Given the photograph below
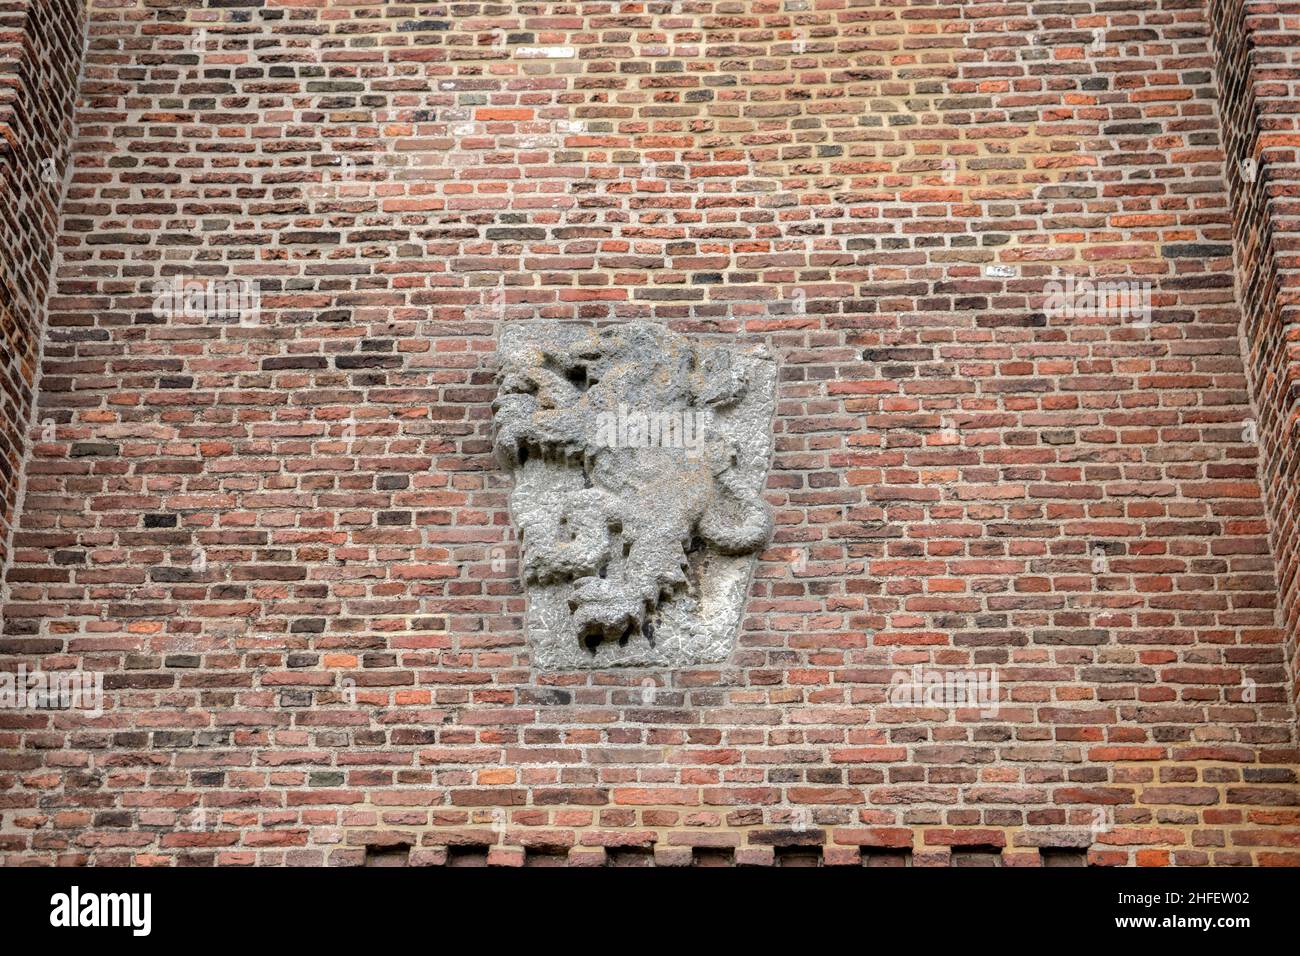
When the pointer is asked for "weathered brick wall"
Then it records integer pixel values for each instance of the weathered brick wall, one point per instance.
(1259, 82)
(40, 54)
(282, 537)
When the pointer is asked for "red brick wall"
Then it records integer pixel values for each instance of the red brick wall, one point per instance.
(961, 478)
(1259, 73)
(40, 53)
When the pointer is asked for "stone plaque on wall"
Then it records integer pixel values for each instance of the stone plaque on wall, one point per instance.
(639, 457)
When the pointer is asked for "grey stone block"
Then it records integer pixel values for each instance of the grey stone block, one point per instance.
(639, 459)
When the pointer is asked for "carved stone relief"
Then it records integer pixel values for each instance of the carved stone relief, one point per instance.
(639, 459)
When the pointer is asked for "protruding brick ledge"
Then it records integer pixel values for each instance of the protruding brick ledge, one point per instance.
(41, 47)
(1258, 65)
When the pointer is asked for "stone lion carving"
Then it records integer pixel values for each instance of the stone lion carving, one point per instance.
(639, 458)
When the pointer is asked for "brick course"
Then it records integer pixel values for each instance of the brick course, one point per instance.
(285, 542)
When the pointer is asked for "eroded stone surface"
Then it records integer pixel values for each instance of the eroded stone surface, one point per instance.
(639, 459)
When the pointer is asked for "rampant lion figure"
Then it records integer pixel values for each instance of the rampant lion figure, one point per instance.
(638, 455)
